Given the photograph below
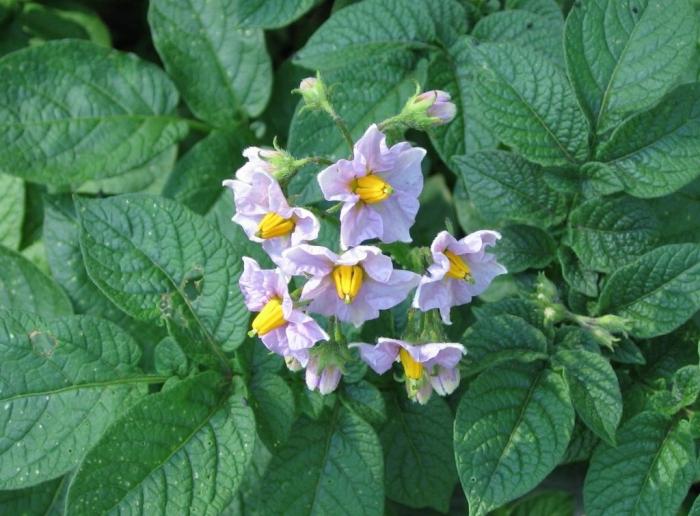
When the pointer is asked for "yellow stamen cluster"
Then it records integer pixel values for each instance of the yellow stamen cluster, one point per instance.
(269, 318)
(348, 281)
(274, 225)
(458, 267)
(413, 369)
(372, 188)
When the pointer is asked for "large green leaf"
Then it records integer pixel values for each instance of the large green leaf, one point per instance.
(658, 292)
(63, 382)
(181, 451)
(419, 469)
(269, 14)
(329, 466)
(547, 8)
(511, 430)
(542, 123)
(656, 152)
(44, 499)
(506, 188)
(272, 401)
(594, 388)
(680, 212)
(11, 211)
(61, 123)
(648, 473)
(377, 27)
(220, 68)
(608, 232)
(577, 277)
(622, 56)
(523, 247)
(155, 259)
(24, 287)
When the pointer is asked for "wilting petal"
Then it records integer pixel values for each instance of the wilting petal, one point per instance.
(379, 357)
(445, 381)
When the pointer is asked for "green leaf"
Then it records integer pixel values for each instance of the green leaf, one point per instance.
(547, 8)
(524, 247)
(545, 503)
(656, 152)
(681, 214)
(169, 358)
(61, 21)
(578, 277)
(247, 500)
(524, 28)
(419, 468)
(64, 381)
(595, 391)
(505, 187)
(581, 446)
(45, 499)
(183, 450)
(452, 71)
(658, 292)
(511, 430)
(525, 309)
(544, 124)
(266, 14)
(622, 56)
(366, 401)
(606, 233)
(648, 473)
(272, 401)
(378, 27)
(220, 68)
(11, 211)
(196, 180)
(155, 259)
(100, 119)
(330, 466)
(24, 287)
(502, 338)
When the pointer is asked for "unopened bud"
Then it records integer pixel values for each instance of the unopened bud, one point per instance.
(314, 93)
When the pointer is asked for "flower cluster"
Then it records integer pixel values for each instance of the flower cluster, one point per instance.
(376, 191)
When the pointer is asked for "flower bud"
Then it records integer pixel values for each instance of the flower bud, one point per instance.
(323, 378)
(614, 324)
(314, 93)
(277, 162)
(292, 364)
(438, 105)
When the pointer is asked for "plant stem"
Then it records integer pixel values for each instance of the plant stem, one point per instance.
(340, 124)
(196, 125)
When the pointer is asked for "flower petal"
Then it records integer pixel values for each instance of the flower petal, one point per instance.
(379, 357)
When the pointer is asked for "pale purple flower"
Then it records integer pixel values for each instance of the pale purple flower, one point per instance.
(353, 286)
(440, 107)
(461, 269)
(379, 189)
(325, 380)
(292, 333)
(264, 214)
(427, 367)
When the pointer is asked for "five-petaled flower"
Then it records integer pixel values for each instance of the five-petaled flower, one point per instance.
(353, 286)
(379, 189)
(461, 269)
(284, 330)
(427, 367)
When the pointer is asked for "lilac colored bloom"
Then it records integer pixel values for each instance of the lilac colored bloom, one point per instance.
(440, 107)
(427, 367)
(325, 380)
(263, 212)
(379, 189)
(284, 330)
(353, 286)
(461, 269)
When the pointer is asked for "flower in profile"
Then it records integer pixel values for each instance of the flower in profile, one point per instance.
(284, 330)
(263, 212)
(379, 189)
(436, 105)
(427, 367)
(461, 269)
(322, 377)
(353, 286)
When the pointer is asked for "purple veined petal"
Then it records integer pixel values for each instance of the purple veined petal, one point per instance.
(274, 247)
(260, 285)
(277, 202)
(358, 254)
(249, 223)
(431, 294)
(379, 357)
(306, 226)
(445, 111)
(336, 180)
(475, 242)
(371, 151)
(382, 296)
(303, 332)
(445, 381)
(398, 214)
(330, 378)
(276, 341)
(328, 303)
(358, 222)
(406, 176)
(442, 241)
(377, 266)
(309, 259)
(444, 354)
(312, 375)
(315, 286)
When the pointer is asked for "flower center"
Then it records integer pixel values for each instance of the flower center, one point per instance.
(371, 188)
(413, 370)
(269, 318)
(458, 267)
(274, 225)
(348, 281)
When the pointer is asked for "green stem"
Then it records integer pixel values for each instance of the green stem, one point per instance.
(196, 125)
(340, 124)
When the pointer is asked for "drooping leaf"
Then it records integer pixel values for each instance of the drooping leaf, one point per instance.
(524, 247)
(220, 68)
(622, 56)
(658, 292)
(155, 259)
(11, 211)
(544, 124)
(105, 117)
(647, 473)
(64, 381)
(419, 467)
(329, 466)
(266, 14)
(512, 428)
(183, 450)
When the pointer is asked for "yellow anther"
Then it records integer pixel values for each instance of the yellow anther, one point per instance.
(458, 267)
(274, 225)
(269, 318)
(348, 281)
(372, 188)
(413, 370)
